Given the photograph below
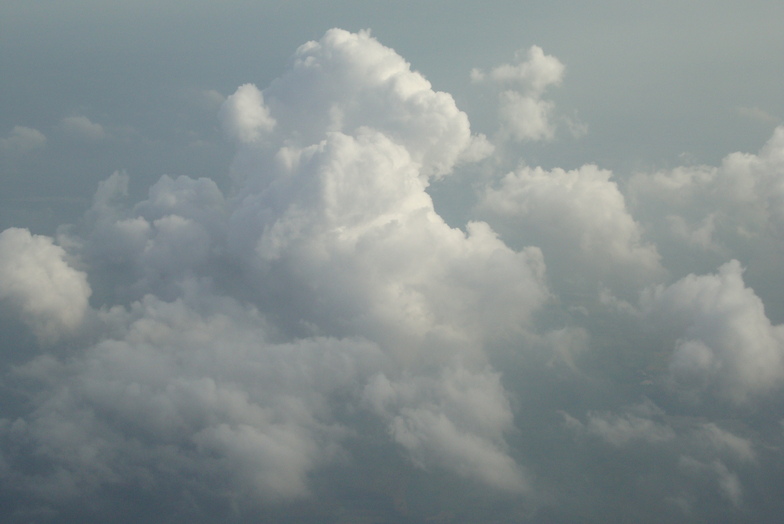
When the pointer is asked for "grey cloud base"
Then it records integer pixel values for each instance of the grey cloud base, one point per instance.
(319, 344)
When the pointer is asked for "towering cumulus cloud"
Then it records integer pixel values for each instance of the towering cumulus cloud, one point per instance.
(317, 344)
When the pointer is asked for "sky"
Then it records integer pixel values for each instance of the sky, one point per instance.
(391, 262)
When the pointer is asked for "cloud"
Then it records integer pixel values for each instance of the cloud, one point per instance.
(724, 208)
(172, 391)
(233, 339)
(578, 218)
(726, 480)
(757, 114)
(312, 339)
(23, 140)
(37, 281)
(244, 115)
(739, 448)
(724, 342)
(81, 128)
(347, 82)
(619, 430)
(523, 114)
(455, 421)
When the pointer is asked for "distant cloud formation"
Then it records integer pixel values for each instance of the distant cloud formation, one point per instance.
(755, 113)
(22, 140)
(317, 336)
(81, 128)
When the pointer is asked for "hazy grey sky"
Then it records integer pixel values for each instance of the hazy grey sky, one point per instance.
(399, 262)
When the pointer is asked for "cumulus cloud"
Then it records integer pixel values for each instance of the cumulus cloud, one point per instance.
(522, 112)
(82, 128)
(244, 115)
(579, 218)
(37, 281)
(316, 336)
(455, 421)
(346, 83)
(23, 140)
(725, 208)
(230, 336)
(724, 342)
(174, 390)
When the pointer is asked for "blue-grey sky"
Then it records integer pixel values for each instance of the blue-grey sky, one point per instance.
(399, 262)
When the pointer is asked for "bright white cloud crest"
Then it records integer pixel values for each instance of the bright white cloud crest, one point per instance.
(240, 344)
(522, 112)
(37, 280)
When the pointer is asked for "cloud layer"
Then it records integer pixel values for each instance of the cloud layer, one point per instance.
(316, 342)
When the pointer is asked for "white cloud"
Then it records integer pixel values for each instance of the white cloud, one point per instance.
(81, 128)
(231, 334)
(580, 220)
(523, 114)
(533, 72)
(339, 205)
(316, 330)
(526, 118)
(171, 391)
(456, 421)
(245, 117)
(724, 343)
(36, 279)
(23, 140)
(347, 82)
(723, 208)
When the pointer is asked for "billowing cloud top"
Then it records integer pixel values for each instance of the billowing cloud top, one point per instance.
(319, 337)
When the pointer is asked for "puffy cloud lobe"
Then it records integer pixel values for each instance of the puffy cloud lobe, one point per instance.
(694, 461)
(579, 218)
(347, 82)
(533, 75)
(152, 247)
(23, 140)
(81, 128)
(40, 285)
(337, 203)
(177, 392)
(455, 421)
(354, 222)
(526, 118)
(721, 209)
(724, 342)
(523, 114)
(244, 115)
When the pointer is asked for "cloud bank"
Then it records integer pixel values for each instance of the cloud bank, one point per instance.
(317, 343)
